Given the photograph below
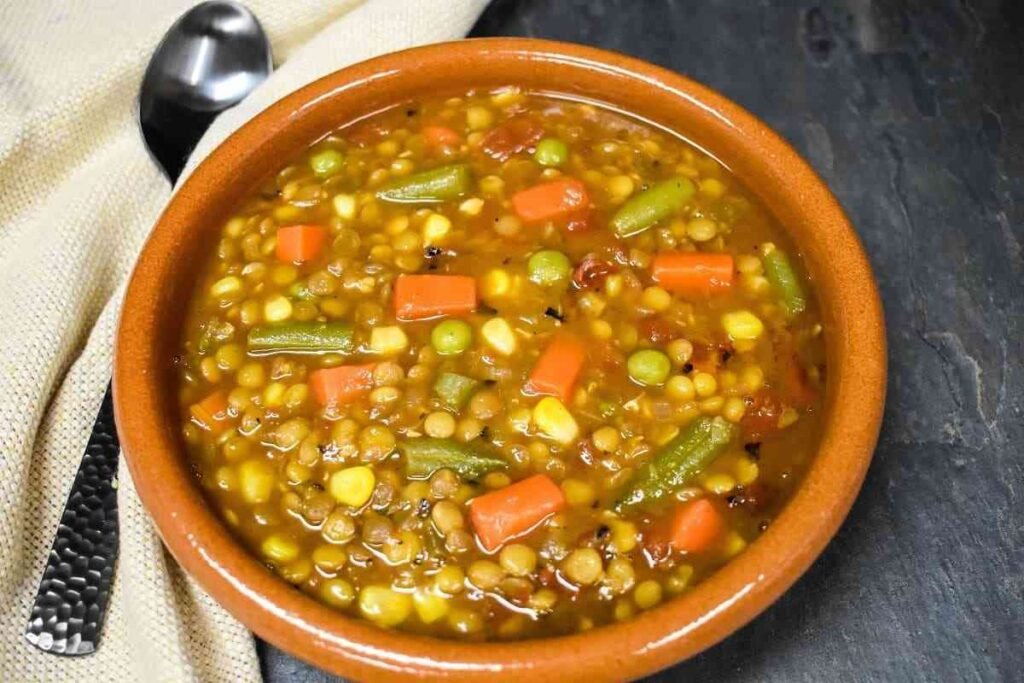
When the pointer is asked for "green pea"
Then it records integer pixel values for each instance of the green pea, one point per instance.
(451, 337)
(551, 152)
(548, 267)
(649, 367)
(326, 163)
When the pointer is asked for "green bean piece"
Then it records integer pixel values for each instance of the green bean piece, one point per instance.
(454, 390)
(301, 337)
(548, 267)
(678, 462)
(551, 152)
(784, 280)
(428, 187)
(326, 163)
(426, 455)
(650, 206)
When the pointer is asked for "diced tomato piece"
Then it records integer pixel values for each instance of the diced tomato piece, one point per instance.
(513, 136)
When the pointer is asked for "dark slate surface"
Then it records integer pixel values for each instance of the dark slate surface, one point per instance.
(913, 112)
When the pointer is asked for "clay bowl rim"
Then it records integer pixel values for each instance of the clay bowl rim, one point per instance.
(856, 355)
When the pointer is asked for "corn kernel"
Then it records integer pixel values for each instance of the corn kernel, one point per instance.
(788, 417)
(499, 336)
(613, 285)
(208, 368)
(628, 337)
(744, 345)
(226, 478)
(388, 341)
(506, 96)
(436, 228)
(554, 421)
(352, 486)
(251, 375)
(592, 304)
(623, 535)
(496, 283)
(746, 471)
(430, 606)
(606, 439)
(734, 544)
(752, 378)
(712, 188)
(601, 329)
(273, 395)
(492, 185)
(742, 325)
(396, 225)
(756, 285)
(620, 187)
(400, 167)
(749, 265)
(472, 206)
(277, 309)
(345, 206)
(519, 420)
(384, 606)
(256, 480)
(719, 484)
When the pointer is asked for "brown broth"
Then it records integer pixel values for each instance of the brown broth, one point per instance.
(272, 417)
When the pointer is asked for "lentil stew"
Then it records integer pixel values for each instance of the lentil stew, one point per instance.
(500, 366)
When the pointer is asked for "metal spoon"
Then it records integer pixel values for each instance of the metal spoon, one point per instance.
(208, 61)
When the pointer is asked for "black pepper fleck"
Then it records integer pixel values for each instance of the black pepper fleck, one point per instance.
(554, 313)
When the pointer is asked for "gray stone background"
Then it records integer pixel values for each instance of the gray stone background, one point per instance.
(913, 113)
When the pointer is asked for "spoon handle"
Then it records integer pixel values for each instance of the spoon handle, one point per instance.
(67, 614)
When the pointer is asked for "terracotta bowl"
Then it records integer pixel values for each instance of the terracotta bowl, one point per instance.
(147, 415)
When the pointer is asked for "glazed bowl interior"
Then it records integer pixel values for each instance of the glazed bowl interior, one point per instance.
(165, 276)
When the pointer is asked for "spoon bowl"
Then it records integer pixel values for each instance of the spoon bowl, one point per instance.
(208, 61)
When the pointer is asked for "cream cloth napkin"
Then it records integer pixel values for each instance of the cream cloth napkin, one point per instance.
(78, 195)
